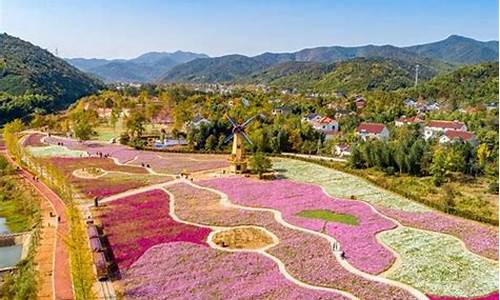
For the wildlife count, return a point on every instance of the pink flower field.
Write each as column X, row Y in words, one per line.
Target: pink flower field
column 136, row 223
column 492, row 296
column 358, row 241
column 478, row 238
column 189, row 271
column 307, row 257
column 34, row 140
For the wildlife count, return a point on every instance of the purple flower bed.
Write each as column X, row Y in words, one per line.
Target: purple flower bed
column 136, row 223
column 34, row 140
column 307, row 257
column 358, row 241
column 479, row 238
column 492, row 296
column 188, row 271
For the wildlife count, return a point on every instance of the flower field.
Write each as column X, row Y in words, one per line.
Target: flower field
column 306, row 257
column 136, row 223
column 34, row 140
column 118, row 179
column 179, row 270
column 290, row 198
column 55, row 151
column 479, row 238
column 454, row 273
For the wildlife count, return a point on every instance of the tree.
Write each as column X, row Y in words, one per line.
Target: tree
column 135, row 124
column 259, row 163
column 438, row 166
column 210, row 143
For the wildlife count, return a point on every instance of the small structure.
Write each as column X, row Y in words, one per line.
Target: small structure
column 237, row 160
column 410, row 103
column 198, row 121
column 437, row 127
column 456, row 135
column 311, row 117
column 281, row 110
column 403, row 121
column 342, row 150
column 372, row 130
column 326, row 125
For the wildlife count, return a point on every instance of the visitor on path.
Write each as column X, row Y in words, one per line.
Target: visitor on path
column 342, row 255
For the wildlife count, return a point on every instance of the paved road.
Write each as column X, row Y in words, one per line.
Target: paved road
column 62, row 275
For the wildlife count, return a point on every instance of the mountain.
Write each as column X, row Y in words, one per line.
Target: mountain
column 27, row 70
column 144, row 68
column 459, row 50
column 436, row 56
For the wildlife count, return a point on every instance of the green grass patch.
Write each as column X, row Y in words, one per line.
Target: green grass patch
column 329, row 216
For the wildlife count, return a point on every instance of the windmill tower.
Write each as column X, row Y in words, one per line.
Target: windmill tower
column 237, row 160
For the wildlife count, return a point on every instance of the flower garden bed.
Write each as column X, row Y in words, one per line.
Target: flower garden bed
column 306, row 257
column 188, row 271
column 242, row 238
column 479, row 238
column 55, row 151
column 358, row 241
column 177, row 163
column 135, row 223
column 118, row 179
column 438, row 265
column 34, row 140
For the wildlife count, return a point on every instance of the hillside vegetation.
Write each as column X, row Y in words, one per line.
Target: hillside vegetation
column 32, row 78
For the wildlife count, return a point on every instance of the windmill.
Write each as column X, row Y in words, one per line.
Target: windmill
column 238, row 160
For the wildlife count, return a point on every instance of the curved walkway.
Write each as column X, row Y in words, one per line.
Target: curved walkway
column 63, row 288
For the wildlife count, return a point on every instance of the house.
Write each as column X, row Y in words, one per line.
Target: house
column 410, row 102
column 281, row 110
column 198, row 121
column 326, row 125
column 437, row 127
column 430, row 106
column 342, row 150
column 360, row 102
column 311, row 117
column 372, row 130
column 403, row 121
column 104, row 112
column 455, row 135
column 491, row 106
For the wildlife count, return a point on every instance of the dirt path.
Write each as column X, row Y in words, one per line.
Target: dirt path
column 62, row 276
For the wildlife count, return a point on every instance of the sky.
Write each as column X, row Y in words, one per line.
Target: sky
column 126, row 29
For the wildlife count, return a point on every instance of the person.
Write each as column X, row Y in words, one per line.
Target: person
column 342, row 255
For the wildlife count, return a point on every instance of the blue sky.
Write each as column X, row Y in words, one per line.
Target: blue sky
column 124, row 29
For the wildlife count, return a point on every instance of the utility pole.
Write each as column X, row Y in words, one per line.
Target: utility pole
column 416, row 74
column 57, row 52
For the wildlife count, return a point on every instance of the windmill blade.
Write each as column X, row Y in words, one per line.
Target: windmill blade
column 245, row 136
column 248, row 121
column 231, row 120
column 228, row 138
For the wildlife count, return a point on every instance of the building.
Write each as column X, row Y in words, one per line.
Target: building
column 326, row 125
column 372, row 131
column 403, row 121
column 198, row 121
column 281, row 110
column 410, row 102
column 312, row 117
column 436, row 128
column 456, row 135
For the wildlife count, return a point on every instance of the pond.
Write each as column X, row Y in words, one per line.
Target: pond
column 9, row 255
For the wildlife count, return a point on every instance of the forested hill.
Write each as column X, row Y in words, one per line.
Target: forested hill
column 468, row 86
column 27, row 70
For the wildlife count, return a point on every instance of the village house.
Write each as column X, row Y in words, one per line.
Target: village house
column 436, row 128
column 197, row 122
column 281, row 110
column 372, row 131
column 326, row 125
column 456, row 135
column 311, row 117
column 403, row 121
column 410, row 102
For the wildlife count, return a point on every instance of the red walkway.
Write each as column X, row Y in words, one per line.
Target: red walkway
column 62, row 276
